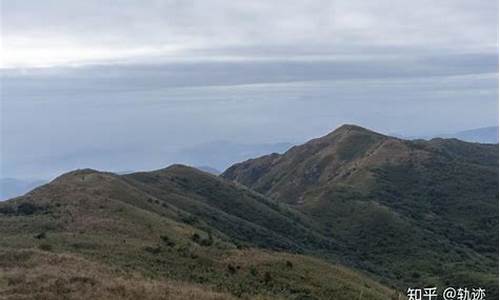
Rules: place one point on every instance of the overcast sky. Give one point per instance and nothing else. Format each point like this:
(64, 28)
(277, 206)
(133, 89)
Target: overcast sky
(55, 32)
(126, 84)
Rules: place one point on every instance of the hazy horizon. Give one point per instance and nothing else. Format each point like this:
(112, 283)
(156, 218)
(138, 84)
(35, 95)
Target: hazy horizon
(130, 86)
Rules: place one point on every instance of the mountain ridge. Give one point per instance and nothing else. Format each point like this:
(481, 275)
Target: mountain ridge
(183, 228)
(352, 211)
(370, 190)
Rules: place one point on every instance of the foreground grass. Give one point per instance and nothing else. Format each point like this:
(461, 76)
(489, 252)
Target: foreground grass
(33, 274)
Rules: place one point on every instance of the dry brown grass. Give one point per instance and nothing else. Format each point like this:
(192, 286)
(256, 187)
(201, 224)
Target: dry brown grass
(31, 274)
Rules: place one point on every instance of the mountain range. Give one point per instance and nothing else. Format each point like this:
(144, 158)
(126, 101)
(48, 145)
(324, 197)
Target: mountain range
(221, 154)
(483, 135)
(12, 187)
(351, 215)
(478, 135)
(210, 157)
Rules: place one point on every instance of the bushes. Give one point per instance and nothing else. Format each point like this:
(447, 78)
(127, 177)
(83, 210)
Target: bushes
(7, 210)
(153, 250)
(189, 219)
(206, 242)
(28, 209)
(267, 278)
(41, 236)
(231, 269)
(23, 209)
(167, 241)
(45, 247)
(253, 271)
(195, 238)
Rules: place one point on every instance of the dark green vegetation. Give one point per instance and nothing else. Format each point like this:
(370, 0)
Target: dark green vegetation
(414, 213)
(291, 226)
(230, 210)
(176, 233)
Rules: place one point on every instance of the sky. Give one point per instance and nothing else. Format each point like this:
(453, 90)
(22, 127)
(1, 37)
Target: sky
(49, 33)
(125, 85)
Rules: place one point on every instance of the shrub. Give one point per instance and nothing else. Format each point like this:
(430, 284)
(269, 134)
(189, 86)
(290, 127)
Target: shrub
(45, 247)
(28, 209)
(231, 269)
(41, 236)
(191, 220)
(207, 242)
(167, 240)
(267, 278)
(7, 210)
(195, 238)
(153, 250)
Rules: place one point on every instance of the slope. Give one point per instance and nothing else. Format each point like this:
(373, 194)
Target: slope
(164, 239)
(413, 212)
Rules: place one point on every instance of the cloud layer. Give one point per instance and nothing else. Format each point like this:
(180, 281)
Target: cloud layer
(154, 77)
(47, 33)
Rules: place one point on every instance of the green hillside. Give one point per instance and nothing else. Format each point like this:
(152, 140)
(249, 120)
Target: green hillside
(352, 215)
(415, 213)
(176, 233)
(243, 216)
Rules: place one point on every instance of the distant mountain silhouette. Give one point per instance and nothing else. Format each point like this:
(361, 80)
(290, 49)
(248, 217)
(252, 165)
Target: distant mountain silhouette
(480, 135)
(209, 170)
(484, 135)
(222, 154)
(12, 187)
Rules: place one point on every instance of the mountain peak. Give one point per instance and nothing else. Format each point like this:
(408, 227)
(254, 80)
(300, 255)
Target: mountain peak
(351, 128)
(83, 176)
(78, 172)
(175, 168)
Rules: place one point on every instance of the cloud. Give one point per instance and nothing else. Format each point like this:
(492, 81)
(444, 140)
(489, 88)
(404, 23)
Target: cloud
(159, 75)
(46, 33)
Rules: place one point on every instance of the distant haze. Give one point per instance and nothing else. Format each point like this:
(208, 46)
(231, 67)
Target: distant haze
(140, 85)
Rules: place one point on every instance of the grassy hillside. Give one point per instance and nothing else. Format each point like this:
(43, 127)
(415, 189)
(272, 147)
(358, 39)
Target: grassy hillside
(209, 202)
(291, 226)
(414, 213)
(176, 233)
